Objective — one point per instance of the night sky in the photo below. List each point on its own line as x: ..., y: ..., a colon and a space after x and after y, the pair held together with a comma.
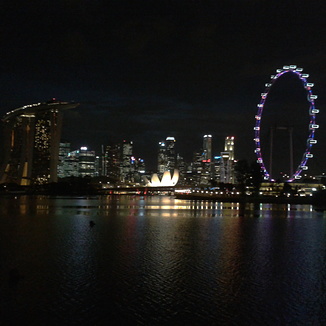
x: 145, y: 70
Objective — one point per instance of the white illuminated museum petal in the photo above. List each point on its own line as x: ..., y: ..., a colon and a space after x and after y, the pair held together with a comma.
x: 166, y: 181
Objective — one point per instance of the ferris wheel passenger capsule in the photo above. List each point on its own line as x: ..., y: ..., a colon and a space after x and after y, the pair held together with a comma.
x: 310, y: 84
x: 286, y: 67
x: 305, y: 75
x: 313, y: 126
x: 279, y: 70
x: 293, y: 67
x: 268, y: 85
x: 312, y: 141
x: 304, y: 167
x: 309, y: 155
x: 313, y: 97
x: 314, y: 111
x: 299, y: 69
x: 297, y: 177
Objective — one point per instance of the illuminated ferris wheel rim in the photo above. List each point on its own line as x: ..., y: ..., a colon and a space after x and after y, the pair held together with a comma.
x: 312, y: 124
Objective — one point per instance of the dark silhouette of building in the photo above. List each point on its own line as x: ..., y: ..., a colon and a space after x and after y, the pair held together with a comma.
x: 31, y: 143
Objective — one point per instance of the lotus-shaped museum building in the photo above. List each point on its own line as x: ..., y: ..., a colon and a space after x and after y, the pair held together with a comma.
x: 166, y: 181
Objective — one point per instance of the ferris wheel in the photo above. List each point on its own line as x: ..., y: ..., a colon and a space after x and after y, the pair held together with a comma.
x: 311, y: 127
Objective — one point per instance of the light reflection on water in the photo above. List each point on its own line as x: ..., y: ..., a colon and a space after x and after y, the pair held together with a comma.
x: 157, y: 260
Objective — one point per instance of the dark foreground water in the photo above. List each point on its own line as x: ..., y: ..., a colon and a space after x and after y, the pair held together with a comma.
x: 160, y: 261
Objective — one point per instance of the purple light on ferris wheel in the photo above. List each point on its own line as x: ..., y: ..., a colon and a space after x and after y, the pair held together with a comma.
x: 312, y: 123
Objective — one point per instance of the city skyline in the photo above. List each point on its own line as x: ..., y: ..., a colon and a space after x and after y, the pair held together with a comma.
x: 142, y: 71
x: 35, y: 154
x: 149, y: 160
x: 207, y: 151
x: 118, y: 165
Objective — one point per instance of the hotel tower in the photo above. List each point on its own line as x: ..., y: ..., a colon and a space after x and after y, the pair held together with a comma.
x: 31, y: 143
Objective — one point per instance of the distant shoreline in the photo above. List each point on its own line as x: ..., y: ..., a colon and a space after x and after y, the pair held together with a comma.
x: 193, y: 196
x: 249, y: 199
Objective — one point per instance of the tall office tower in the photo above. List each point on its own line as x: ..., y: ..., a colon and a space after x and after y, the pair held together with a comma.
x: 207, y: 148
x: 111, y: 162
x: 225, y: 168
x: 98, y: 169
x: 64, y: 150
x: 227, y: 161
x: 81, y: 163
x: 71, y: 165
x: 126, y: 167
x: 170, y: 153
x: 206, y: 173
x: 136, y: 171
x: 166, y: 155
x: 104, y: 159
x: 217, y: 168
x: 229, y: 146
x: 197, y: 167
x: 181, y: 166
x: 161, y: 159
x: 141, y: 168
x: 31, y: 143
x: 102, y: 162
x: 86, y: 162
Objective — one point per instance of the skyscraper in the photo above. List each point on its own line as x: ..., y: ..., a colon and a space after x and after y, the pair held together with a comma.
x: 86, y: 162
x: 161, y: 159
x: 126, y: 162
x: 170, y: 153
x: 229, y: 146
x: 31, y: 143
x: 166, y: 155
x: 111, y: 159
x: 64, y: 150
x: 207, y: 148
x: 227, y: 161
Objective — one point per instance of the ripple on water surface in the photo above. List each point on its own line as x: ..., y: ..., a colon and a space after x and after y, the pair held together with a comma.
x: 158, y: 260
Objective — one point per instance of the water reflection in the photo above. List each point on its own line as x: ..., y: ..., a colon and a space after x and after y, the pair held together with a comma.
x: 158, y: 260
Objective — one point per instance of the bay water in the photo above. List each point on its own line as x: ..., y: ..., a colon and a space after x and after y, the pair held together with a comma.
x: 157, y: 260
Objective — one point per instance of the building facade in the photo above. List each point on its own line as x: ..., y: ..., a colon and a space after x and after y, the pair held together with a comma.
x: 64, y: 150
x: 31, y: 143
x: 167, y: 157
x: 170, y: 153
x: 111, y: 159
x: 206, y: 161
x: 207, y: 148
x: 126, y: 164
x: 79, y: 163
x: 86, y: 162
x: 161, y: 158
x: 227, y: 161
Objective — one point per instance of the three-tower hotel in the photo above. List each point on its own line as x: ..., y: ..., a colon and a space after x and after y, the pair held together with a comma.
x: 32, y: 136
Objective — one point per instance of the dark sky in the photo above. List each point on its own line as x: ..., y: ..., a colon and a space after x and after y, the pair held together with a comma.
x: 145, y: 70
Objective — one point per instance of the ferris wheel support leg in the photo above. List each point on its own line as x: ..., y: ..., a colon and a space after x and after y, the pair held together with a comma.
x: 271, y: 150
x: 291, y: 149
